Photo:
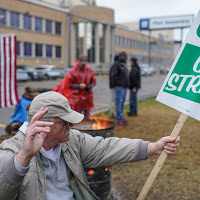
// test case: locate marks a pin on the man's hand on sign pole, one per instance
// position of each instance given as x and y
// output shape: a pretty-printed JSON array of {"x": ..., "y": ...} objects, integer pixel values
[{"x": 168, "y": 144}]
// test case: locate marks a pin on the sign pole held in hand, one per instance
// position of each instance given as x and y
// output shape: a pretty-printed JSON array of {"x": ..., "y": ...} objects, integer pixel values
[
  {"x": 161, "y": 159},
  {"x": 181, "y": 91}
]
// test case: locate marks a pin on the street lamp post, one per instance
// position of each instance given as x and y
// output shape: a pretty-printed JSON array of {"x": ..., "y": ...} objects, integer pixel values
[{"x": 149, "y": 48}]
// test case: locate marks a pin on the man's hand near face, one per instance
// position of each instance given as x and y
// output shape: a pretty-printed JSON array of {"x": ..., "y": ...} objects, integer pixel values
[{"x": 34, "y": 138}]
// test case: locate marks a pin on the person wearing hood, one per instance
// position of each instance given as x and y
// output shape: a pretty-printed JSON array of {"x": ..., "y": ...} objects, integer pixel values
[{"x": 78, "y": 85}]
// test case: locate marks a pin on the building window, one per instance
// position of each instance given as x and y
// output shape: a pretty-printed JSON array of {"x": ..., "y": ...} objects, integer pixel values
[
  {"x": 38, "y": 24},
  {"x": 27, "y": 22},
  {"x": 18, "y": 48},
  {"x": 2, "y": 17},
  {"x": 129, "y": 43},
  {"x": 121, "y": 41},
  {"x": 125, "y": 42},
  {"x": 90, "y": 42},
  {"x": 102, "y": 42},
  {"x": 58, "y": 52},
  {"x": 116, "y": 40},
  {"x": 134, "y": 44},
  {"x": 48, "y": 50},
  {"x": 14, "y": 19},
  {"x": 58, "y": 28},
  {"x": 27, "y": 49},
  {"x": 38, "y": 50},
  {"x": 80, "y": 33},
  {"x": 48, "y": 26}
]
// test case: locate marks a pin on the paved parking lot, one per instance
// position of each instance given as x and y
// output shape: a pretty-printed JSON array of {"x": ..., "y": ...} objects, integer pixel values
[{"x": 102, "y": 94}]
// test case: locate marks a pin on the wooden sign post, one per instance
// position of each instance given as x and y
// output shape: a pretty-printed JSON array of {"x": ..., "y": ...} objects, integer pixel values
[{"x": 161, "y": 159}]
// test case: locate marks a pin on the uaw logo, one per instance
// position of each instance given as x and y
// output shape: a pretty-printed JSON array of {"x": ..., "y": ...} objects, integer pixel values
[{"x": 184, "y": 80}]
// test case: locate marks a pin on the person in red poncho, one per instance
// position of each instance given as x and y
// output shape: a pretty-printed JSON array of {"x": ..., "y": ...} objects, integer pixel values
[{"x": 78, "y": 85}]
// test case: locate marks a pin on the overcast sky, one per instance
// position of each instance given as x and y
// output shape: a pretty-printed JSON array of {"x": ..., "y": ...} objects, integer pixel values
[{"x": 133, "y": 10}]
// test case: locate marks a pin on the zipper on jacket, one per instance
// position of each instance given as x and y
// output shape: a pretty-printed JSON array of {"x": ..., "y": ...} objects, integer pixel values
[{"x": 41, "y": 165}]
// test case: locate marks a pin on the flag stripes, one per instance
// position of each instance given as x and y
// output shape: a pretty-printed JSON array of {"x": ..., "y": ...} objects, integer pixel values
[{"x": 8, "y": 87}]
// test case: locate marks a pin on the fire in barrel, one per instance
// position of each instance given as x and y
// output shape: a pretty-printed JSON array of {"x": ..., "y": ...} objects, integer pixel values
[{"x": 99, "y": 178}]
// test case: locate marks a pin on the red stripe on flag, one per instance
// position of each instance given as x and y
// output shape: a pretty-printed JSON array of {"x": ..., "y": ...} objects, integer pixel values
[
  {"x": 15, "y": 63},
  {"x": 10, "y": 55},
  {"x": 5, "y": 71},
  {"x": 8, "y": 85}
]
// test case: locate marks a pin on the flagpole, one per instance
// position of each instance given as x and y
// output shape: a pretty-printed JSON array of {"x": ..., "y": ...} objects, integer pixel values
[{"x": 161, "y": 159}]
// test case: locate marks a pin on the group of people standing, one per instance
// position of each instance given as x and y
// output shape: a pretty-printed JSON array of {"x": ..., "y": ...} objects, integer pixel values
[{"x": 120, "y": 80}]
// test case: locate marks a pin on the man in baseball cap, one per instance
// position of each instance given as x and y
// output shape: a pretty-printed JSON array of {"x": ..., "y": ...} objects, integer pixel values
[
  {"x": 46, "y": 158},
  {"x": 58, "y": 106}
]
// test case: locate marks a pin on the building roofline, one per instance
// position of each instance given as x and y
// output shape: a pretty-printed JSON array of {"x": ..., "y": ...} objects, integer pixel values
[
  {"x": 88, "y": 6},
  {"x": 67, "y": 12},
  {"x": 119, "y": 26}
]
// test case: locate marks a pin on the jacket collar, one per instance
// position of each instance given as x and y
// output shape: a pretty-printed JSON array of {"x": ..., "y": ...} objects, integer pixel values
[{"x": 23, "y": 127}]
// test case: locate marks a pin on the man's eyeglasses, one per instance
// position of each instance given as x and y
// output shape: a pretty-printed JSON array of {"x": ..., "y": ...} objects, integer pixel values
[{"x": 63, "y": 123}]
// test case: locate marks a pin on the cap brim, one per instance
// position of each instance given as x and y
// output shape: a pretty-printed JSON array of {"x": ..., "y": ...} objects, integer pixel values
[{"x": 74, "y": 117}]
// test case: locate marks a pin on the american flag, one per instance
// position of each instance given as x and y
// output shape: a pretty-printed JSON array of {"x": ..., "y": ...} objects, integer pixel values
[{"x": 8, "y": 86}]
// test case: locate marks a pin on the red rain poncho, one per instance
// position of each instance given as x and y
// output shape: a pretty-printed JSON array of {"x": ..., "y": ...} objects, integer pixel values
[{"x": 79, "y": 99}]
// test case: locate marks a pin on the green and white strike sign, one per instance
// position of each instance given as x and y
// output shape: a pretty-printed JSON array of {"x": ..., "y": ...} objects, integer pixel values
[{"x": 181, "y": 89}]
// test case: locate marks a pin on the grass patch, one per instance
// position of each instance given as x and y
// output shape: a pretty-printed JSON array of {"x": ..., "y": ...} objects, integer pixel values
[
  {"x": 179, "y": 178},
  {"x": 145, "y": 102}
]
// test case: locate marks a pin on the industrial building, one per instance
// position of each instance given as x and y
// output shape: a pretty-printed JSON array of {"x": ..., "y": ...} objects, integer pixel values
[{"x": 57, "y": 31}]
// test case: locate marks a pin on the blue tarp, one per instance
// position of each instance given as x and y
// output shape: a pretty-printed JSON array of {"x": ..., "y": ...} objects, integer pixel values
[{"x": 20, "y": 111}]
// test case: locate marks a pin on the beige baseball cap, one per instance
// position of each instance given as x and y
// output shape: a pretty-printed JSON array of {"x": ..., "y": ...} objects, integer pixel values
[{"x": 58, "y": 106}]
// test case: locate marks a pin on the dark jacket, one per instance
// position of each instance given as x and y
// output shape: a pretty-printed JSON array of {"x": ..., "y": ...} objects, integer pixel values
[
  {"x": 119, "y": 75},
  {"x": 134, "y": 77}
]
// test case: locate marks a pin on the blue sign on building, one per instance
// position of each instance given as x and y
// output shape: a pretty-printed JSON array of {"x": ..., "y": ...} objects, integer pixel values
[{"x": 144, "y": 24}]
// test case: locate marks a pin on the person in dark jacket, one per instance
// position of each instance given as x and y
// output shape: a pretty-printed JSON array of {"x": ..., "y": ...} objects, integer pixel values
[
  {"x": 111, "y": 81},
  {"x": 120, "y": 81},
  {"x": 135, "y": 83}
]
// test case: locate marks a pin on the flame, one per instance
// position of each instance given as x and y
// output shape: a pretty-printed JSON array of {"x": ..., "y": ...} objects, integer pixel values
[
  {"x": 99, "y": 123},
  {"x": 91, "y": 172}
]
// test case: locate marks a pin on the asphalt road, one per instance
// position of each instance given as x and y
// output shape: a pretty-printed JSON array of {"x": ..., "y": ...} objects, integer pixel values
[{"x": 102, "y": 94}]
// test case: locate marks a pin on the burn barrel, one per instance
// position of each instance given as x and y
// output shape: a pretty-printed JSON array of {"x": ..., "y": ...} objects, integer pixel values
[{"x": 99, "y": 178}]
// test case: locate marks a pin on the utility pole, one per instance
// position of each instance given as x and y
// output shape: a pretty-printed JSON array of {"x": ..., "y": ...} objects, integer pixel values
[{"x": 149, "y": 47}]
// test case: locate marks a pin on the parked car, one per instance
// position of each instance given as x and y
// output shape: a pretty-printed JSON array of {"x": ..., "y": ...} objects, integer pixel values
[
  {"x": 162, "y": 70},
  {"x": 22, "y": 75},
  {"x": 146, "y": 70},
  {"x": 29, "y": 70},
  {"x": 46, "y": 72},
  {"x": 61, "y": 71},
  {"x": 167, "y": 68}
]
